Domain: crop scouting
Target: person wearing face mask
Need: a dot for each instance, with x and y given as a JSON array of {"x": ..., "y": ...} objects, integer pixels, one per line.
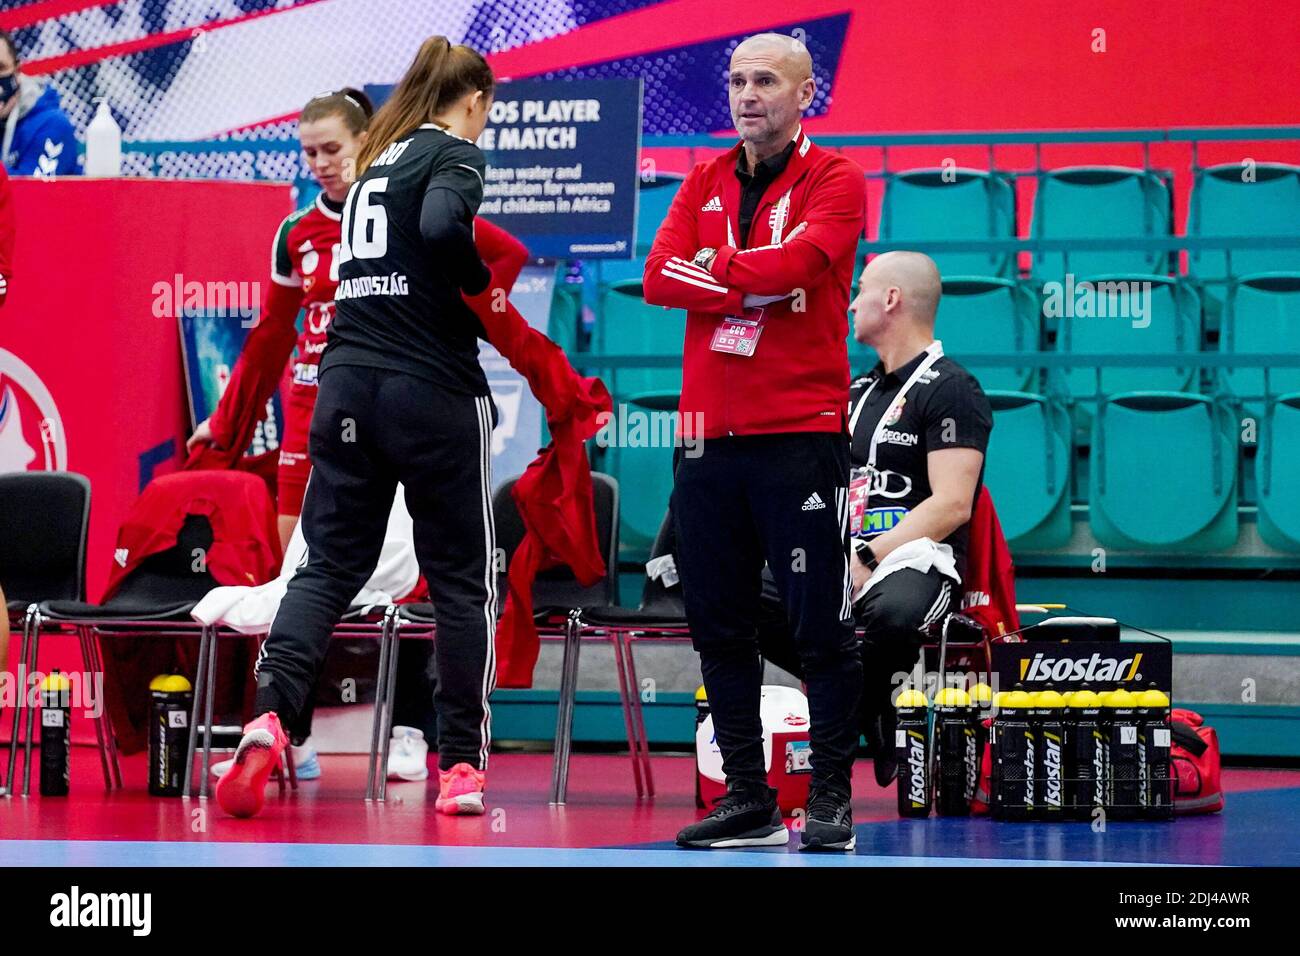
[{"x": 37, "y": 135}]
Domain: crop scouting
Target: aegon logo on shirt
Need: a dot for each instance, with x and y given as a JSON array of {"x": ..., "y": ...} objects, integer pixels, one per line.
[
  {"x": 1083, "y": 670},
  {"x": 891, "y": 437}
]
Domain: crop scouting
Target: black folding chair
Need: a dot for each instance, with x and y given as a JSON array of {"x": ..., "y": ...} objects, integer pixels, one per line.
[
  {"x": 556, "y": 596},
  {"x": 154, "y": 600},
  {"x": 44, "y": 521},
  {"x": 660, "y": 617}
]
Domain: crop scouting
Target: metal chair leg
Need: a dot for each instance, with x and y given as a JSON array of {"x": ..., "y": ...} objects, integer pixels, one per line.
[
  {"x": 31, "y": 711},
  {"x": 20, "y": 699},
  {"x": 376, "y": 725},
  {"x": 564, "y": 711},
  {"x": 114, "y": 760},
  {"x": 638, "y": 715},
  {"x": 290, "y": 768},
  {"x": 633, "y": 745},
  {"x": 394, "y": 623},
  {"x": 932, "y": 760},
  {"x": 87, "y": 661},
  {"x": 205, "y": 635},
  {"x": 211, "y": 696}
]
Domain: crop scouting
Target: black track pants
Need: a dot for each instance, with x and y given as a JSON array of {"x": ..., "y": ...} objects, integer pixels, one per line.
[
  {"x": 373, "y": 428},
  {"x": 780, "y": 499}
]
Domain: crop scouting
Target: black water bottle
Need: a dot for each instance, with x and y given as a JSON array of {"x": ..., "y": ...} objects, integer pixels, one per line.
[
  {"x": 1049, "y": 755},
  {"x": 955, "y": 737},
  {"x": 170, "y": 701},
  {"x": 1157, "y": 802},
  {"x": 1122, "y": 754},
  {"x": 701, "y": 712},
  {"x": 981, "y": 706},
  {"x": 1012, "y": 740},
  {"x": 910, "y": 742},
  {"x": 56, "y": 737},
  {"x": 1085, "y": 755}
]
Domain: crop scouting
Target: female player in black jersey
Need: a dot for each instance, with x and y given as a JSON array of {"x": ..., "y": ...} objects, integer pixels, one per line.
[{"x": 402, "y": 398}]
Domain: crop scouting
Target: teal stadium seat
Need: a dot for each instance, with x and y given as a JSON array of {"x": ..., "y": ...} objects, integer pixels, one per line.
[
  {"x": 1224, "y": 203},
  {"x": 562, "y": 323},
  {"x": 1172, "y": 325},
  {"x": 1277, "y": 470},
  {"x": 951, "y": 204},
  {"x": 1262, "y": 314},
  {"x": 1163, "y": 473},
  {"x": 978, "y": 316},
  {"x": 1027, "y": 470},
  {"x": 638, "y": 451},
  {"x": 1100, "y": 202},
  {"x": 627, "y": 325}
]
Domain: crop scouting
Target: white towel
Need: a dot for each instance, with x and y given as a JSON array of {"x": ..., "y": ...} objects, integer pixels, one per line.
[
  {"x": 922, "y": 554},
  {"x": 250, "y": 610}
]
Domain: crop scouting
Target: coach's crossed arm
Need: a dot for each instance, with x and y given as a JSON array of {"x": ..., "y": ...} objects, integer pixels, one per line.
[{"x": 833, "y": 221}]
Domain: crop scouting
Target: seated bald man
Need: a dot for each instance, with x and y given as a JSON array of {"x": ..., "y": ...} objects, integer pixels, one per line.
[{"x": 919, "y": 426}]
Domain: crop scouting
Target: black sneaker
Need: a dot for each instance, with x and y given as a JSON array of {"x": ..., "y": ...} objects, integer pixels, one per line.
[
  {"x": 746, "y": 816},
  {"x": 885, "y": 762},
  {"x": 829, "y": 823}
]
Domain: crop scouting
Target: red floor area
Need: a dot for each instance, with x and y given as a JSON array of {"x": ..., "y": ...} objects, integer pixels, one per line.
[{"x": 602, "y": 808}]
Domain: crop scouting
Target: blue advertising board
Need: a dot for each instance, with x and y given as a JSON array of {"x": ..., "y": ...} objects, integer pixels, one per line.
[{"x": 562, "y": 165}]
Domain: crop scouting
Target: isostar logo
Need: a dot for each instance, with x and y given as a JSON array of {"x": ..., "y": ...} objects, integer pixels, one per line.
[
  {"x": 1043, "y": 667},
  {"x": 31, "y": 430},
  {"x": 972, "y": 764},
  {"x": 1052, "y": 766},
  {"x": 1098, "y": 769},
  {"x": 916, "y": 768},
  {"x": 1029, "y": 768}
]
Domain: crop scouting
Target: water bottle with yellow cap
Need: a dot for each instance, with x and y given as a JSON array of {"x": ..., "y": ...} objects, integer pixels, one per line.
[
  {"x": 1156, "y": 782},
  {"x": 56, "y": 736},
  {"x": 171, "y": 699},
  {"x": 955, "y": 740},
  {"x": 1012, "y": 741},
  {"x": 1085, "y": 754},
  {"x": 1119, "y": 709},
  {"x": 910, "y": 740}
]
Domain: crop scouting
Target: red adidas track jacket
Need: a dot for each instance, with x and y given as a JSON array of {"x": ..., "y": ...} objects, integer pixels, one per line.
[{"x": 798, "y": 379}]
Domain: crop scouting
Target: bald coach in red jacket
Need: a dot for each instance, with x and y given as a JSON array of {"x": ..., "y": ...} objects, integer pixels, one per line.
[{"x": 758, "y": 247}]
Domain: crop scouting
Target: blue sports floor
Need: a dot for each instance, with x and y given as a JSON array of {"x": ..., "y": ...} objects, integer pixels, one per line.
[{"x": 325, "y": 823}]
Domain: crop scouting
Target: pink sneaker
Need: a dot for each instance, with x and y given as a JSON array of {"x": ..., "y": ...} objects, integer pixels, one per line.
[
  {"x": 241, "y": 790},
  {"x": 461, "y": 790}
]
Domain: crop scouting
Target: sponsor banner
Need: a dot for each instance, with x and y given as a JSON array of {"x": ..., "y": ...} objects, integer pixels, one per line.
[{"x": 1102, "y": 665}]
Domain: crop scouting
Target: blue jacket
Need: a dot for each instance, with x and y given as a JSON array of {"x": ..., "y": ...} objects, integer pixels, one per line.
[{"x": 43, "y": 142}]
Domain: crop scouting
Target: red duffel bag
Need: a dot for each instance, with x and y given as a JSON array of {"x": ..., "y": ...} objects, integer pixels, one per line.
[{"x": 1198, "y": 787}]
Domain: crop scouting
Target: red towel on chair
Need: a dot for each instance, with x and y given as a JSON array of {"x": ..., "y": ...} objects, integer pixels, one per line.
[
  {"x": 554, "y": 494},
  {"x": 990, "y": 584}
]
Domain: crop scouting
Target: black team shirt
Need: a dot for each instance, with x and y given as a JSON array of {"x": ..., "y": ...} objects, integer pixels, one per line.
[
  {"x": 944, "y": 408},
  {"x": 408, "y": 252}
]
